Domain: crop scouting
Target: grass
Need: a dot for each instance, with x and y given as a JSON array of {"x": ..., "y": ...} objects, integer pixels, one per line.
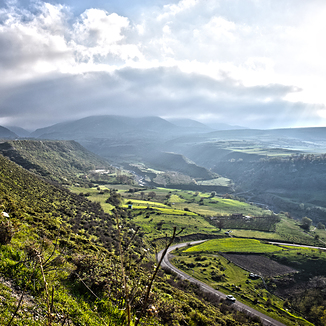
[
  {"x": 220, "y": 274},
  {"x": 234, "y": 245},
  {"x": 158, "y": 225},
  {"x": 157, "y": 217},
  {"x": 289, "y": 230},
  {"x": 256, "y": 234},
  {"x": 170, "y": 204}
]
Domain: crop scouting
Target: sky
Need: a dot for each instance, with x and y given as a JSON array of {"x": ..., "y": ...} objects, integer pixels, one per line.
[{"x": 253, "y": 63}]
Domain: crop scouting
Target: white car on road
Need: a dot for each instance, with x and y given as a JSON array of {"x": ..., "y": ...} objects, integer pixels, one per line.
[{"x": 230, "y": 297}]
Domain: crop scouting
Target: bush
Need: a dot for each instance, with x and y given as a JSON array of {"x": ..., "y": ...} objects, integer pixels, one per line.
[{"x": 6, "y": 232}]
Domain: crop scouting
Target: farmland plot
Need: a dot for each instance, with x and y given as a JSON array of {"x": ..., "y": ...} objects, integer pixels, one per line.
[{"x": 259, "y": 264}]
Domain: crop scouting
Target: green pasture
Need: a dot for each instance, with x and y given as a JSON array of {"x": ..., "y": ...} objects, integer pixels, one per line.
[
  {"x": 234, "y": 245},
  {"x": 256, "y": 234},
  {"x": 179, "y": 199},
  {"x": 172, "y": 203},
  {"x": 289, "y": 230},
  {"x": 94, "y": 195},
  {"x": 144, "y": 203},
  {"x": 219, "y": 273},
  {"x": 176, "y": 199},
  {"x": 203, "y": 203},
  {"x": 286, "y": 230},
  {"x": 158, "y": 225}
]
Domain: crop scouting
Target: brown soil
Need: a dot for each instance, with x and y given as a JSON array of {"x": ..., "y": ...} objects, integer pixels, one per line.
[{"x": 259, "y": 264}]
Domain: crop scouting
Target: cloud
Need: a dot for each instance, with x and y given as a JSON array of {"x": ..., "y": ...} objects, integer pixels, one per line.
[
  {"x": 157, "y": 91},
  {"x": 239, "y": 62}
]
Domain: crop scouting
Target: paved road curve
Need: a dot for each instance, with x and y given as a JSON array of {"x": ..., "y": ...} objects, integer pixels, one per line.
[
  {"x": 266, "y": 320},
  {"x": 295, "y": 245}
]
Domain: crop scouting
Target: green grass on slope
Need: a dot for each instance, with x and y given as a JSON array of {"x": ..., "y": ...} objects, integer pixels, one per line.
[
  {"x": 219, "y": 273},
  {"x": 234, "y": 245},
  {"x": 57, "y": 228}
]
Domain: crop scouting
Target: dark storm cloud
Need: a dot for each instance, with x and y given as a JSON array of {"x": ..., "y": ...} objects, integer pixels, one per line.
[{"x": 157, "y": 91}]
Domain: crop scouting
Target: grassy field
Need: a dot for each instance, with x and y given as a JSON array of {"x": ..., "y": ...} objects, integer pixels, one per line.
[
  {"x": 256, "y": 234},
  {"x": 157, "y": 211},
  {"x": 190, "y": 209},
  {"x": 286, "y": 230},
  {"x": 218, "y": 272},
  {"x": 234, "y": 245},
  {"x": 197, "y": 202},
  {"x": 158, "y": 226},
  {"x": 157, "y": 217},
  {"x": 289, "y": 230}
]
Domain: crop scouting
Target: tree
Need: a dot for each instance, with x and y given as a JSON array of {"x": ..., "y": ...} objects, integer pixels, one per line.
[
  {"x": 220, "y": 224},
  {"x": 152, "y": 194},
  {"x": 115, "y": 199},
  {"x": 320, "y": 226},
  {"x": 213, "y": 194},
  {"x": 306, "y": 223}
]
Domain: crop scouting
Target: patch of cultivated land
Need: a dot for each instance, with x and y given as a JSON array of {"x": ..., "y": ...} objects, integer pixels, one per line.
[{"x": 259, "y": 264}]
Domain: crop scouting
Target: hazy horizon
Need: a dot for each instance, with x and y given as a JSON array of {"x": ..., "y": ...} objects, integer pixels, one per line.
[{"x": 215, "y": 126}]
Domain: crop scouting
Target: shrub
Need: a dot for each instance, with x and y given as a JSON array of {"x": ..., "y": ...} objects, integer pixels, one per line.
[{"x": 6, "y": 232}]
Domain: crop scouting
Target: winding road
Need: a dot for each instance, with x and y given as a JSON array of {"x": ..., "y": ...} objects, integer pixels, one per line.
[{"x": 266, "y": 320}]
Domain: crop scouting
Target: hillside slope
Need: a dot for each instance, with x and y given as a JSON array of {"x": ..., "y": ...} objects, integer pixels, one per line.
[
  {"x": 294, "y": 184},
  {"x": 178, "y": 162},
  {"x": 60, "y": 161},
  {"x": 61, "y": 251}
]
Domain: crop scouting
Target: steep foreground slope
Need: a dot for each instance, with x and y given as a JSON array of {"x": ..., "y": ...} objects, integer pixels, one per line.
[{"x": 61, "y": 254}]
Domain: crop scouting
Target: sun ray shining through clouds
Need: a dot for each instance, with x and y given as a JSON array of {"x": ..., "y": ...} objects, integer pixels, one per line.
[{"x": 259, "y": 64}]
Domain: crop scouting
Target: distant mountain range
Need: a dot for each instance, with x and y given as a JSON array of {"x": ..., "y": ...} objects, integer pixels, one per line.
[
  {"x": 20, "y": 132},
  {"x": 119, "y": 138},
  {"x": 122, "y": 139}
]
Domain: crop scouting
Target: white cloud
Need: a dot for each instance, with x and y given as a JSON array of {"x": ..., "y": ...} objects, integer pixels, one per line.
[
  {"x": 222, "y": 58},
  {"x": 174, "y": 9}
]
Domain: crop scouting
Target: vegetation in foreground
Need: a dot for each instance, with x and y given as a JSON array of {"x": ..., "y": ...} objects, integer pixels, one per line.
[
  {"x": 65, "y": 261},
  {"x": 66, "y": 235}
]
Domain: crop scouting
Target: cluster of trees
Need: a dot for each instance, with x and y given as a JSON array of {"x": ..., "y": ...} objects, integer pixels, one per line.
[{"x": 254, "y": 223}]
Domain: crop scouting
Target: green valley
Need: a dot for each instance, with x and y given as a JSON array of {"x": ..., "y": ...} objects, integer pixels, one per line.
[{"x": 83, "y": 252}]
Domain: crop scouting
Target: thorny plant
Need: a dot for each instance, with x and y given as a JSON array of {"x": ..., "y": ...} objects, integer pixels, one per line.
[
  {"x": 124, "y": 278},
  {"x": 135, "y": 295},
  {"x": 37, "y": 261}
]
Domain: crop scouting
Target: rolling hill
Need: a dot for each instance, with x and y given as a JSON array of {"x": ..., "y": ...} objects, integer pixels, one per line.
[{"x": 59, "y": 161}]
